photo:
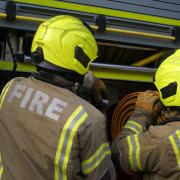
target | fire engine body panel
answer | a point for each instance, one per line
(132, 37)
(149, 28)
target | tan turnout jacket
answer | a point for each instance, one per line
(49, 133)
(153, 151)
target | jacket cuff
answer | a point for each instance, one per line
(145, 116)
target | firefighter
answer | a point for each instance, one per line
(46, 131)
(153, 151)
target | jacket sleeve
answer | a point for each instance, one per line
(137, 123)
(95, 153)
(135, 148)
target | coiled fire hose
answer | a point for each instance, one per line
(123, 111)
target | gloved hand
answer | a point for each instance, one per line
(98, 91)
(99, 94)
(147, 100)
(157, 109)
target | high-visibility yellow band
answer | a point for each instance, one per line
(134, 126)
(135, 123)
(1, 167)
(74, 130)
(178, 134)
(134, 153)
(101, 10)
(131, 128)
(4, 92)
(65, 142)
(130, 153)
(21, 67)
(175, 148)
(87, 171)
(1, 172)
(61, 139)
(91, 163)
(138, 152)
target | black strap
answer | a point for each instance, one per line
(81, 56)
(168, 120)
(101, 22)
(169, 90)
(10, 11)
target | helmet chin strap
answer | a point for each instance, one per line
(169, 120)
(171, 114)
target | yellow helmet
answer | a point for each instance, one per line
(167, 80)
(65, 42)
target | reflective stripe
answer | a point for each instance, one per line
(138, 152)
(1, 172)
(134, 152)
(65, 142)
(91, 163)
(134, 126)
(175, 142)
(130, 153)
(1, 167)
(4, 92)
(136, 123)
(131, 128)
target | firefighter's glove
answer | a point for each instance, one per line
(157, 110)
(85, 89)
(98, 91)
(147, 100)
(99, 94)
